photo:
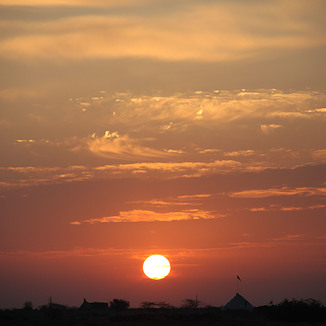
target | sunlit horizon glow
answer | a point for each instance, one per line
(191, 128)
(156, 267)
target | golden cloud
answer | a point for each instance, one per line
(122, 147)
(224, 107)
(285, 209)
(178, 168)
(175, 201)
(248, 152)
(152, 216)
(283, 191)
(140, 147)
(161, 203)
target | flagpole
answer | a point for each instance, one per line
(238, 283)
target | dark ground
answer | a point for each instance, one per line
(268, 315)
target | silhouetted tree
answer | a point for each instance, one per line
(164, 305)
(150, 304)
(28, 305)
(147, 304)
(190, 303)
(299, 310)
(119, 304)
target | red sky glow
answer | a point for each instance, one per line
(191, 129)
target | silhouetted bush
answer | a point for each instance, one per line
(297, 310)
(147, 305)
(28, 305)
(119, 304)
(190, 303)
(160, 305)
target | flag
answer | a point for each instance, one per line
(238, 277)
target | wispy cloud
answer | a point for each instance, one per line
(233, 109)
(319, 154)
(290, 237)
(247, 152)
(161, 203)
(122, 147)
(285, 208)
(268, 129)
(183, 169)
(283, 191)
(81, 252)
(193, 200)
(26, 176)
(152, 216)
(133, 138)
(196, 196)
(71, 3)
(298, 208)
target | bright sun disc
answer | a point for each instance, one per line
(156, 267)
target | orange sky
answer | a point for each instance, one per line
(192, 129)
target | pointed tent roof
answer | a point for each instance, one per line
(238, 302)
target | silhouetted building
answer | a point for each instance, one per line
(238, 302)
(94, 305)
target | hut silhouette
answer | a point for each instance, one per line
(94, 305)
(238, 302)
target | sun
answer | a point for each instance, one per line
(156, 267)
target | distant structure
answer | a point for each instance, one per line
(238, 302)
(94, 305)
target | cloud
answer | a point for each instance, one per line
(175, 201)
(209, 151)
(196, 196)
(19, 93)
(161, 203)
(71, 3)
(14, 177)
(179, 111)
(298, 208)
(259, 209)
(319, 154)
(283, 191)
(321, 110)
(27, 176)
(130, 135)
(201, 32)
(113, 145)
(247, 244)
(25, 141)
(247, 152)
(176, 169)
(285, 208)
(80, 252)
(290, 237)
(152, 216)
(269, 129)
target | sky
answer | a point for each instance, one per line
(191, 129)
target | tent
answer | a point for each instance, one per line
(238, 302)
